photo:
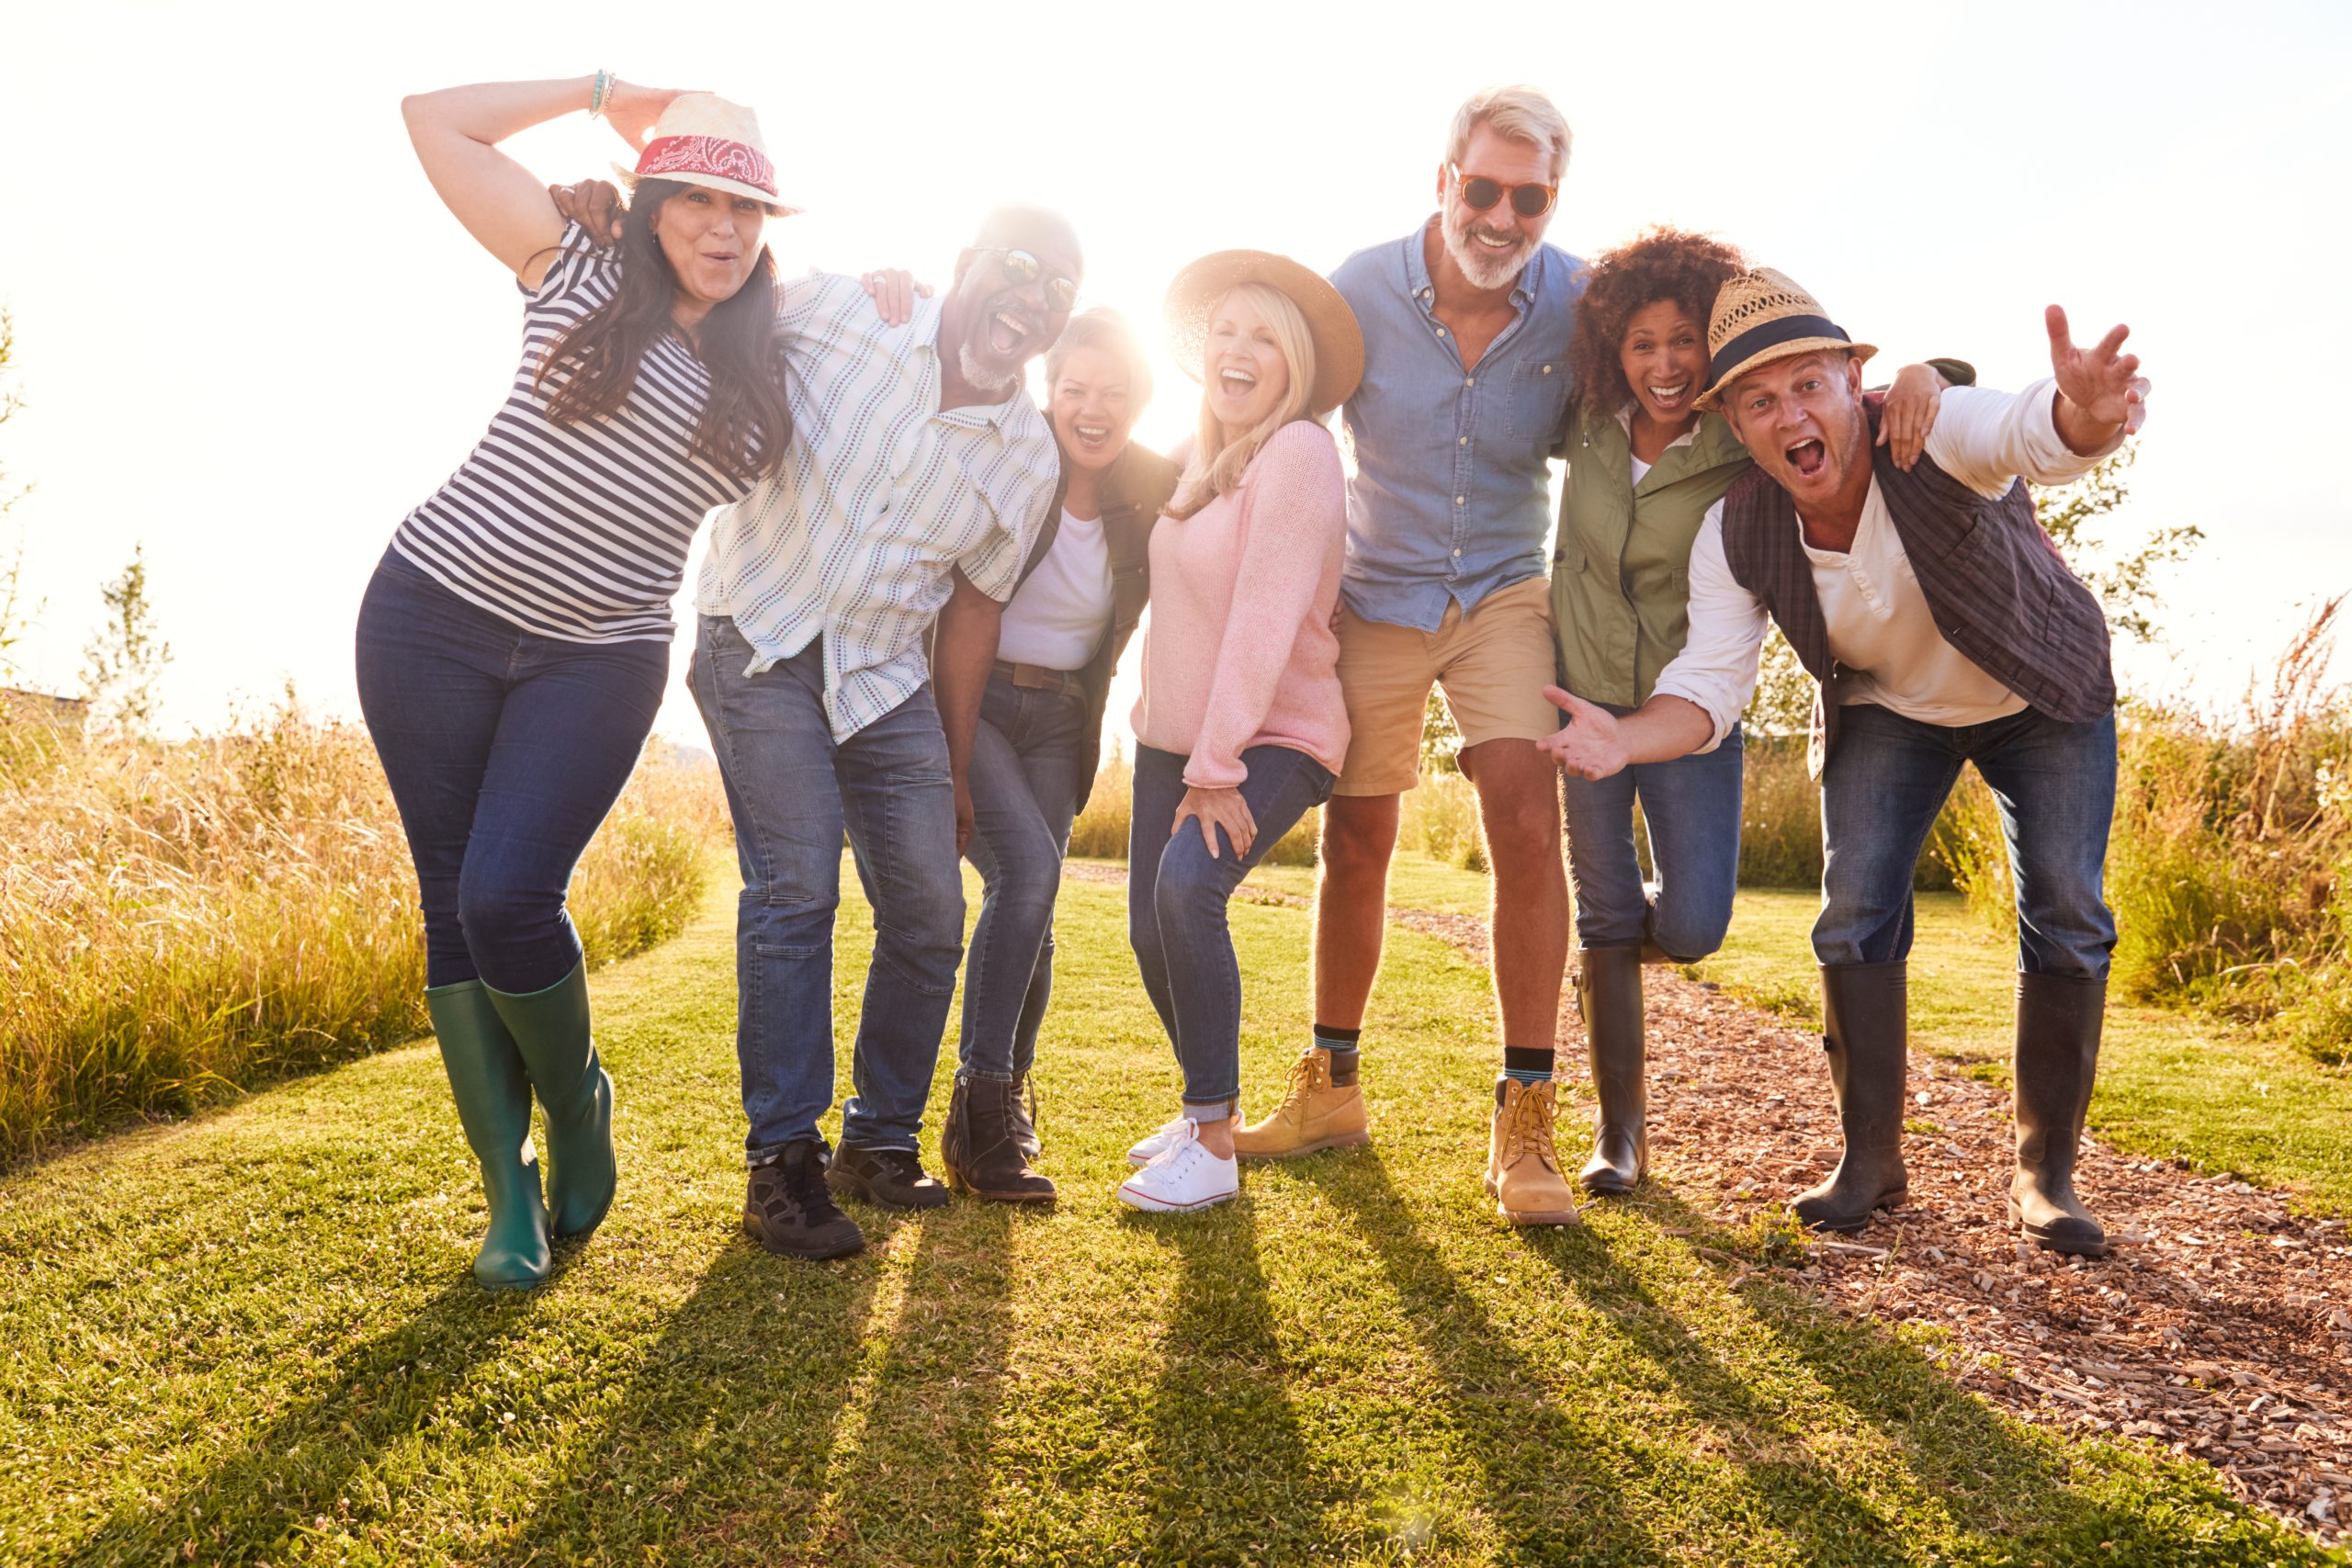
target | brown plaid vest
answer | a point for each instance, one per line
(1997, 586)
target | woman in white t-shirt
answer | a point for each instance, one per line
(1040, 736)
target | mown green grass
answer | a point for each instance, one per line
(253, 1337)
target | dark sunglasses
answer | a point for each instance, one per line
(1023, 268)
(1479, 193)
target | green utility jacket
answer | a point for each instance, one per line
(1621, 565)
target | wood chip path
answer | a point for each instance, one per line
(2220, 1328)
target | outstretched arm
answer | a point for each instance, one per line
(2101, 394)
(457, 131)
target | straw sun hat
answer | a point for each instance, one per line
(1338, 341)
(1761, 316)
(703, 139)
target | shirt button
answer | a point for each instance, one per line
(1470, 380)
(1457, 501)
(1547, 370)
(1441, 332)
(1463, 442)
(1457, 555)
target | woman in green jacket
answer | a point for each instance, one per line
(1644, 467)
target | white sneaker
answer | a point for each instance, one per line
(1159, 1143)
(1183, 1177)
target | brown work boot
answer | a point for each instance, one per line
(1522, 1165)
(1316, 1113)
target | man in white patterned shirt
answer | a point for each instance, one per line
(920, 474)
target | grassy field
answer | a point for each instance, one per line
(252, 1338)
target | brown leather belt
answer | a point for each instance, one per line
(1038, 678)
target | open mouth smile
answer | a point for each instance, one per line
(1669, 397)
(1092, 437)
(1007, 332)
(1808, 457)
(1236, 382)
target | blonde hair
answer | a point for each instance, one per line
(1104, 328)
(1217, 465)
(1520, 112)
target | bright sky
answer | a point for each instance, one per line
(251, 337)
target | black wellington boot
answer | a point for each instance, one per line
(2059, 1016)
(550, 1028)
(1864, 1031)
(981, 1149)
(493, 1097)
(1609, 994)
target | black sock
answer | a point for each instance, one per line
(1527, 1065)
(1343, 1044)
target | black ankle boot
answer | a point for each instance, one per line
(1024, 1118)
(1864, 1024)
(788, 1209)
(980, 1147)
(1609, 994)
(2059, 1018)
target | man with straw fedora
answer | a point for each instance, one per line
(1942, 628)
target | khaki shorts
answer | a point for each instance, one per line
(1492, 663)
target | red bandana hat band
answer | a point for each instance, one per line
(713, 156)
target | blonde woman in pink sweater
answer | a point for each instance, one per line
(1241, 729)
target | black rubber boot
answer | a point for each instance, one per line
(493, 1097)
(788, 1209)
(550, 1028)
(1609, 994)
(981, 1149)
(1024, 1118)
(2059, 1018)
(1864, 1019)
(893, 1178)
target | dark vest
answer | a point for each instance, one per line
(1997, 586)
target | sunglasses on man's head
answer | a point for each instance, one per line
(1479, 194)
(1023, 268)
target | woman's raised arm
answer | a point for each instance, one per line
(504, 206)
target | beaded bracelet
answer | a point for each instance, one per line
(599, 94)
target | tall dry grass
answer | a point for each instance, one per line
(1101, 830)
(181, 920)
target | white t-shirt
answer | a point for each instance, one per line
(1058, 618)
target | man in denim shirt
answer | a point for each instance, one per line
(1465, 324)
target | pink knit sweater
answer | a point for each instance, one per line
(1238, 651)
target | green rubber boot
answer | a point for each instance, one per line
(550, 1028)
(493, 1097)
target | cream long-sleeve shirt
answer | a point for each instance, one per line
(1879, 626)
(1239, 650)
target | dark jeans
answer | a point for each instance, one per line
(1024, 783)
(505, 750)
(1690, 808)
(1176, 908)
(1887, 780)
(793, 790)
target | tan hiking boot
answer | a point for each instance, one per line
(1316, 1113)
(1522, 1165)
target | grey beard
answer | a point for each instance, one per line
(980, 376)
(1487, 269)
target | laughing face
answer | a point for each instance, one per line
(1492, 247)
(1242, 366)
(1801, 419)
(1092, 408)
(1664, 355)
(1002, 319)
(711, 239)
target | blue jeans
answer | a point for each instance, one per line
(1691, 806)
(1176, 905)
(1887, 779)
(505, 749)
(1024, 787)
(792, 791)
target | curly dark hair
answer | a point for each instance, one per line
(1657, 264)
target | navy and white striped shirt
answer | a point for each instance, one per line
(577, 532)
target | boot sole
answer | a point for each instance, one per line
(1895, 1200)
(2048, 1243)
(1336, 1141)
(1608, 1186)
(811, 1254)
(1151, 1205)
(957, 1184)
(1531, 1216)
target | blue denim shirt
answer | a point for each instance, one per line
(1451, 498)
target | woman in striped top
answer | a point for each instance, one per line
(513, 642)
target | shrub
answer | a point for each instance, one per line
(181, 920)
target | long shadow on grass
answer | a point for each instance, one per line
(1231, 1477)
(379, 1396)
(1554, 1478)
(2006, 1487)
(725, 1431)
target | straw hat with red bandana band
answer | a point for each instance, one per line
(703, 139)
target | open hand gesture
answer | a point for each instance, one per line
(2102, 381)
(1590, 745)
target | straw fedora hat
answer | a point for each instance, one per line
(1761, 316)
(703, 139)
(1338, 341)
